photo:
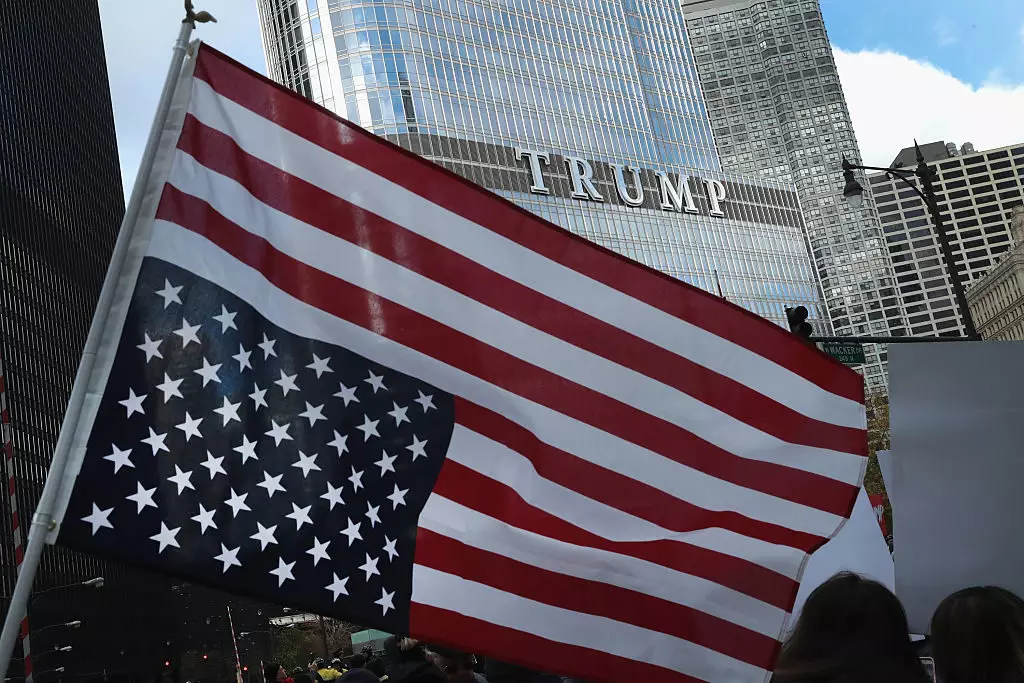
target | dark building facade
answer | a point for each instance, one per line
(61, 204)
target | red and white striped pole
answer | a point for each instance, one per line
(19, 552)
(234, 641)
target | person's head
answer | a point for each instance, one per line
(457, 666)
(978, 637)
(336, 664)
(318, 664)
(357, 661)
(851, 629)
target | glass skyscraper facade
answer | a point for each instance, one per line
(505, 92)
(778, 111)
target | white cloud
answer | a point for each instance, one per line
(945, 31)
(894, 99)
(138, 36)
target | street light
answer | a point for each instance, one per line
(853, 192)
(67, 624)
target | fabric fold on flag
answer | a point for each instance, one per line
(341, 378)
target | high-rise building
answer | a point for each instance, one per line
(976, 193)
(61, 203)
(778, 111)
(587, 113)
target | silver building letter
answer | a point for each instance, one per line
(623, 190)
(582, 174)
(672, 196)
(538, 186)
(716, 193)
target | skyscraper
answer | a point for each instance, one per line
(976, 193)
(778, 111)
(60, 207)
(587, 113)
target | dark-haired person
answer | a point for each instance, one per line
(851, 630)
(978, 637)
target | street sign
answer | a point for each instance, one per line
(848, 353)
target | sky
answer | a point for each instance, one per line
(948, 70)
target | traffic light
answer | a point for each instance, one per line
(167, 663)
(245, 668)
(798, 324)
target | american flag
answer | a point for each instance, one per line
(339, 377)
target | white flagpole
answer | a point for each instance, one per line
(43, 521)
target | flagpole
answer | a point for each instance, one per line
(43, 521)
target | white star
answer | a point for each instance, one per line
(166, 537)
(340, 443)
(283, 572)
(208, 372)
(287, 383)
(271, 484)
(228, 411)
(387, 601)
(417, 448)
(399, 413)
(319, 551)
(268, 347)
(243, 358)
(347, 394)
(226, 320)
(265, 535)
(279, 433)
(333, 495)
(151, 347)
(119, 458)
(98, 519)
(306, 463)
(214, 465)
(376, 381)
(182, 478)
(228, 557)
(247, 449)
(143, 497)
(368, 428)
(319, 365)
(188, 334)
(169, 293)
(357, 479)
(337, 586)
(373, 514)
(190, 427)
(156, 442)
(386, 463)
(389, 548)
(170, 388)
(352, 532)
(205, 519)
(258, 396)
(313, 414)
(236, 503)
(133, 404)
(370, 566)
(397, 497)
(425, 400)
(300, 515)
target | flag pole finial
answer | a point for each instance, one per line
(193, 17)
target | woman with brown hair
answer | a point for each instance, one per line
(851, 630)
(978, 637)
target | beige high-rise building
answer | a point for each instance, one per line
(997, 300)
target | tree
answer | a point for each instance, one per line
(877, 406)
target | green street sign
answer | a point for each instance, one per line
(848, 353)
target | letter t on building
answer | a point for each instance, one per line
(537, 177)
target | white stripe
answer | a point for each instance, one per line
(476, 600)
(500, 463)
(195, 253)
(449, 518)
(369, 271)
(304, 159)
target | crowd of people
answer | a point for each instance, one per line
(851, 630)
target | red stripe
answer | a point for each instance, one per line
(15, 520)
(591, 597)
(413, 330)
(10, 485)
(617, 490)
(442, 626)
(473, 490)
(19, 554)
(1, 384)
(297, 114)
(316, 207)
(5, 417)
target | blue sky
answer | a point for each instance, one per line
(930, 69)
